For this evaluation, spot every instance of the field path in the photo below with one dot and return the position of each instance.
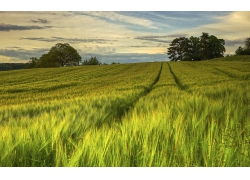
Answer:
(177, 81)
(125, 109)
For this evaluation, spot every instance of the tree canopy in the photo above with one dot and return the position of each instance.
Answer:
(244, 50)
(91, 61)
(62, 54)
(196, 48)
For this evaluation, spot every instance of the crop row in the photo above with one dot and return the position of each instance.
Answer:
(75, 83)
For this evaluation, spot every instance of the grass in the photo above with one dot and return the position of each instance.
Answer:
(147, 114)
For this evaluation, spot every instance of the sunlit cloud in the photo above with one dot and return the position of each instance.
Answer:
(117, 17)
(98, 49)
(162, 39)
(42, 21)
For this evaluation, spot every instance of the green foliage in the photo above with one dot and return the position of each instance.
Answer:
(33, 63)
(196, 48)
(91, 61)
(131, 115)
(247, 43)
(47, 60)
(60, 55)
(179, 49)
(244, 50)
(64, 55)
(216, 47)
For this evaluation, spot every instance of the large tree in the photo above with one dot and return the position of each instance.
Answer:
(48, 60)
(178, 49)
(204, 44)
(216, 47)
(64, 55)
(59, 55)
(194, 49)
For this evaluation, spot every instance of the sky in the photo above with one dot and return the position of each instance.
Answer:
(114, 36)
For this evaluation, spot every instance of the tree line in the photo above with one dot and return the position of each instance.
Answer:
(196, 48)
(60, 55)
(11, 66)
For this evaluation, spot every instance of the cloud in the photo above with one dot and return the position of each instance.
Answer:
(230, 26)
(177, 35)
(166, 16)
(11, 27)
(68, 40)
(234, 42)
(43, 21)
(153, 39)
(15, 47)
(161, 39)
(23, 54)
(98, 49)
(143, 46)
(119, 17)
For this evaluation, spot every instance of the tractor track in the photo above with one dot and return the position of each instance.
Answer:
(122, 109)
(177, 81)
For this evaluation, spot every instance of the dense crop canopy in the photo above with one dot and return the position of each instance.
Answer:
(145, 114)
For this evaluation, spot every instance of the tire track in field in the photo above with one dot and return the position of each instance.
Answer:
(231, 75)
(146, 91)
(177, 81)
(119, 110)
(224, 72)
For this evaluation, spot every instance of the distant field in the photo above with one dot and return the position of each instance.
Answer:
(143, 114)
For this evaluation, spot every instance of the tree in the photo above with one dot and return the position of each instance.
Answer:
(178, 49)
(247, 43)
(184, 48)
(59, 55)
(204, 44)
(216, 47)
(91, 61)
(194, 50)
(64, 55)
(172, 50)
(115, 62)
(32, 63)
(48, 60)
(247, 46)
(244, 50)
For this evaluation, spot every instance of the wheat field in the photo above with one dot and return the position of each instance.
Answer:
(158, 114)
